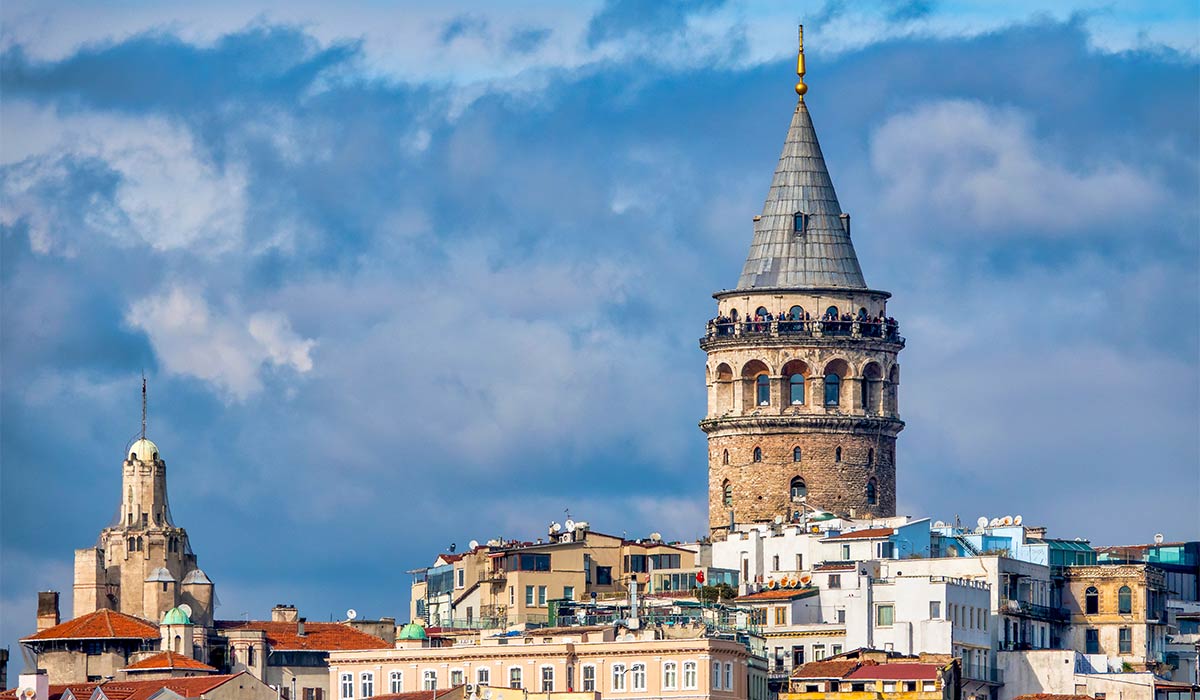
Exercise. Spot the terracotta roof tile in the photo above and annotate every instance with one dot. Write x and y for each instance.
(897, 672)
(1052, 696)
(869, 533)
(415, 695)
(192, 687)
(318, 636)
(169, 660)
(79, 690)
(778, 594)
(826, 669)
(102, 624)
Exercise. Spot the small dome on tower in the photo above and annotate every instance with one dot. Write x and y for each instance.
(144, 450)
(412, 631)
(197, 577)
(160, 575)
(175, 616)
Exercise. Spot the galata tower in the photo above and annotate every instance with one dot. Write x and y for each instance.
(802, 374)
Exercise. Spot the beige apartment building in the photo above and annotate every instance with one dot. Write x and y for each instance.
(653, 662)
(505, 582)
(1118, 610)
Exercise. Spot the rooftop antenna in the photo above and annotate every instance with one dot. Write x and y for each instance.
(143, 404)
(801, 87)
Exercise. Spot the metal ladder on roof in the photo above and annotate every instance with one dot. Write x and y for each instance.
(966, 544)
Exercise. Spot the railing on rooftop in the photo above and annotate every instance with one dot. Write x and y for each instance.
(983, 674)
(883, 330)
(1024, 608)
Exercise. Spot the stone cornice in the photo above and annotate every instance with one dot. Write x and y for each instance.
(808, 422)
(754, 340)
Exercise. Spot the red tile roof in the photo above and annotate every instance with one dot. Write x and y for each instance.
(169, 660)
(868, 534)
(79, 690)
(1052, 696)
(192, 687)
(897, 672)
(777, 594)
(826, 669)
(416, 694)
(102, 624)
(318, 636)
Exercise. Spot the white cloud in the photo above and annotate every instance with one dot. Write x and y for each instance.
(166, 193)
(224, 349)
(958, 161)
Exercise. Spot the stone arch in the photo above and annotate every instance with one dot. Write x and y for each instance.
(723, 388)
(872, 493)
(794, 382)
(872, 388)
(797, 489)
(755, 390)
(892, 400)
(726, 494)
(833, 379)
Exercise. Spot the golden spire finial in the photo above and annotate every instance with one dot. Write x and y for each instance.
(801, 87)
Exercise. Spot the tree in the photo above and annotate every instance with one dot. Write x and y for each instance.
(713, 594)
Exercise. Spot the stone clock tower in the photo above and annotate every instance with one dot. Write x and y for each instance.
(802, 369)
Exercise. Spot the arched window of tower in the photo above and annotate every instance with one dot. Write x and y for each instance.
(871, 457)
(733, 314)
(837, 455)
(798, 489)
(762, 391)
(872, 496)
(761, 312)
(832, 312)
(758, 454)
(833, 389)
(751, 372)
(796, 313)
(796, 454)
(726, 493)
(872, 389)
(725, 457)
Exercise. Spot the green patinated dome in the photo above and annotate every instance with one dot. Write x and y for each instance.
(412, 631)
(175, 616)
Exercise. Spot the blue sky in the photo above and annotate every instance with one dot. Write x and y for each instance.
(407, 275)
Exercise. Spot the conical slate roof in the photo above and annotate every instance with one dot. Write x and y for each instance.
(822, 254)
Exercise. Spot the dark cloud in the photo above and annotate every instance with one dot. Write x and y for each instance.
(527, 39)
(620, 19)
(461, 26)
(508, 292)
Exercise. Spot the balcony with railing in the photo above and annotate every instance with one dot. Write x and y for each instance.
(1023, 608)
(982, 674)
(886, 330)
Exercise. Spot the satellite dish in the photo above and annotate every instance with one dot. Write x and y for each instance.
(995, 522)
(778, 519)
(351, 614)
(1008, 520)
(939, 524)
(473, 544)
(186, 609)
(1158, 538)
(555, 527)
(570, 525)
(982, 521)
(1017, 520)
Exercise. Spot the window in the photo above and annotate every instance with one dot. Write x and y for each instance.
(569, 592)
(367, 682)
(836, 648)
(796, 389)
(837, 454)
(929, 686)
(527, 562)
(886, 550)
(884, 615)
(1125, 600)
(429, 680)
(618, 677)
(833, 389)
(547, 679)
(589, 679)
(670, 676)
(799, 562)
(798, 489)
(716, 675)
(872, 495)
(841, 616)
(638, 671)
(1125, 639)
(1092, 641)
(845, 552)
(689, 675)
(835, 580)
(459, 578)
(529, 596)
(514, 677)
(796, 313)
(456, 677)
(483, 676)
(762, 390)
(728, 676)
(347, 685)
(832, 312)
(796, 454)
(395, 682)
(541, 596)
(1092, 600)
(725, 457)
(757, 454)
(935, 610)
(799, 222)
(871, 457)
(781, 615)
(603, 575)
(726, 494)
(818, 652)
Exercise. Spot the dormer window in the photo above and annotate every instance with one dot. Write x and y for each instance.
(799, 222)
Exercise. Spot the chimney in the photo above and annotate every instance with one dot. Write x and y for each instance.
(47, 613)
(300, 627)
(283, 613)
(38, 682)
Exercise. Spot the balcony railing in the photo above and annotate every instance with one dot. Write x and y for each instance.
(883, 330)
(1010, 606)
(983, 674)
